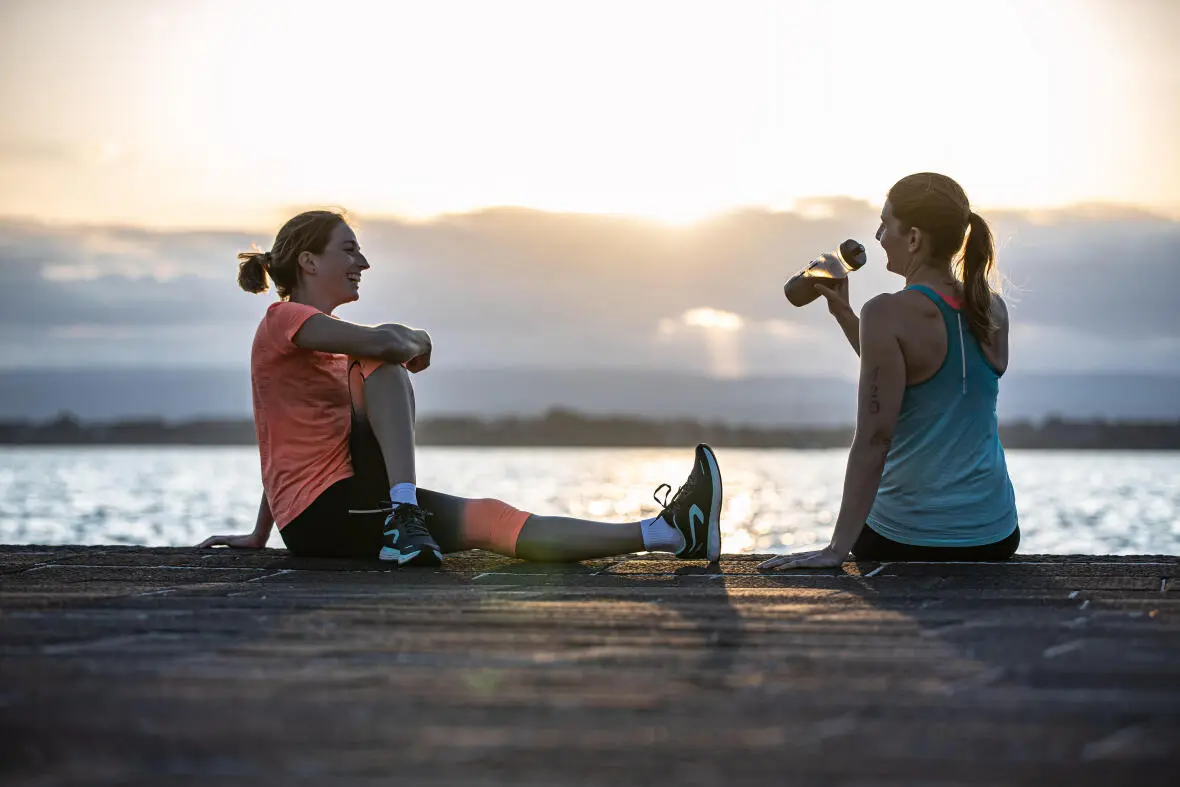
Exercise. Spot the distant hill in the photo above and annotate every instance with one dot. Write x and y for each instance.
(567, 428)
(181, 394)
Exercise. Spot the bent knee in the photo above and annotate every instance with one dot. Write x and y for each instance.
(363, 372)
(370, 366)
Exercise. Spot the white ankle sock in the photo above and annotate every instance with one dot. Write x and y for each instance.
(659, 536)
(403, 493)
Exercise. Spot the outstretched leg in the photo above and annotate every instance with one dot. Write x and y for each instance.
(688, 525)
(559, 539)
(460, 523)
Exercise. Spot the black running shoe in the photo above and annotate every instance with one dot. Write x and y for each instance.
(407, 540)
(695, 509)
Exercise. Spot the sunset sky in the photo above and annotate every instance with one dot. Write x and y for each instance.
(212, 113)
(580, 185)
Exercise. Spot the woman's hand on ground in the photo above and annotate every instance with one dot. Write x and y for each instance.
(248, 541)
(836, 293)
(823, 558)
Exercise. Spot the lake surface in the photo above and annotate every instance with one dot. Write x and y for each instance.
(1069, 501)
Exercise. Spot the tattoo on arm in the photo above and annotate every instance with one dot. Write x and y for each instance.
(874, 391)
(881, 438)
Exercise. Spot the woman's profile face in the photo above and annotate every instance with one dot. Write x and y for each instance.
(339, 266)
(895, 241)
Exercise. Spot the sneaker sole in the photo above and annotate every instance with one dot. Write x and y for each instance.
(418, 557)
(713, 543)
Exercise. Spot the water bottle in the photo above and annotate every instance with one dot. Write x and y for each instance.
(800, 289)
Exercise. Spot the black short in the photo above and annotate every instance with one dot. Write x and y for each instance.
(329, 527)
(871, 545)
(347, 520)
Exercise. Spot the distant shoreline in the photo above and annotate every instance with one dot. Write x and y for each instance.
(570, 429)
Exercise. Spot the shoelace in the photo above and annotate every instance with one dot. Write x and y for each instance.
(683, 491)
(411, 523)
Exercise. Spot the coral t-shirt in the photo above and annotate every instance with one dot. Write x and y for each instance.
(302, 413)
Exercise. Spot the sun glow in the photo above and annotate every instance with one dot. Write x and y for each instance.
(712, 319)
(667, 110)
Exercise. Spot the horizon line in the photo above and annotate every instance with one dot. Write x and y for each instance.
(598, 370)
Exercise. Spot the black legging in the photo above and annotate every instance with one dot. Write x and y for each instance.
(871, 545)
(347, 520)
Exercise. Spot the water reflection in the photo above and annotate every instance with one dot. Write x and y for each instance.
(1070, 501)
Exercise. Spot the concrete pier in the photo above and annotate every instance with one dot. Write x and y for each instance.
(136, 665)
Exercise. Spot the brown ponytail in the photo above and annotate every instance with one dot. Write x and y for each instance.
(979, 260)
(252, 270)
(938, 206)
(308, 231)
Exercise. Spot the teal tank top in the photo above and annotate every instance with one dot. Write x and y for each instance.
(945, 482)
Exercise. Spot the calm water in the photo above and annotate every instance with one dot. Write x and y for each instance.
(1070, 502)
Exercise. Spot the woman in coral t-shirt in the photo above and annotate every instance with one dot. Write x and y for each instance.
(334, 416)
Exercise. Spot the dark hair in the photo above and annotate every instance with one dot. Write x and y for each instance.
(308, 231)
(938, 206)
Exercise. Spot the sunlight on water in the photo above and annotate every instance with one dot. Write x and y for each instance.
(1069, 501)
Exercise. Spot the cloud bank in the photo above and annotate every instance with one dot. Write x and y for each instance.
(1090, 289)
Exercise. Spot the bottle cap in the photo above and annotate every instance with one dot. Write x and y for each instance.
(853, 253)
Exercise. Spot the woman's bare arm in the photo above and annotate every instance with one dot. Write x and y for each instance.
(882, 386)
(255, 540)
(391, 343)
(850, 324)
(837, 296)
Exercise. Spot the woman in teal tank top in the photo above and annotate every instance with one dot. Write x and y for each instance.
(926, 476)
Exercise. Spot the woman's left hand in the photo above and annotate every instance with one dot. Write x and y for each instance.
(823, 558)
(421, 361)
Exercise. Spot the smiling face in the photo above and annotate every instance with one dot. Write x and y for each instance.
(335, 273)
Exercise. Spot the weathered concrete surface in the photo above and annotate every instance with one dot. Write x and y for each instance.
(135, 665)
